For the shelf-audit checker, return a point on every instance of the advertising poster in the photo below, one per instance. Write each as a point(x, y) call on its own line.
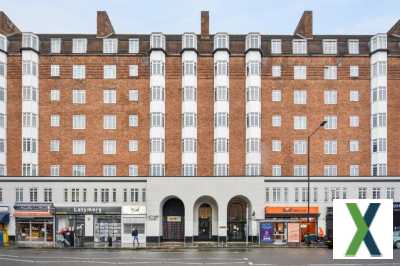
point(266, 233)
point(293, 233)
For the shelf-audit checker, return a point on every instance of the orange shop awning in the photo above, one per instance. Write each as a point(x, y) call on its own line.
point(300, 210)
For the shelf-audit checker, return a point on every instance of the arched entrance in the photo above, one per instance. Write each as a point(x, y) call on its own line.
point(239, 210)
point(173, 220)
point(205, 222)
point(205, 219)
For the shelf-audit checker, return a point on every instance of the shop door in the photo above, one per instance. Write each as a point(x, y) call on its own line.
point(205, 213)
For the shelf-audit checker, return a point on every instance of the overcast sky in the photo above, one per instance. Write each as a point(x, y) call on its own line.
point(177, 16)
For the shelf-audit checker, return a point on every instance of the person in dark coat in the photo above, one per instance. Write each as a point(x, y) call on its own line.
point(135, 234)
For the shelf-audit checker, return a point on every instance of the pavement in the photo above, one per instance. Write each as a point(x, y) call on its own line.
point(206, 256)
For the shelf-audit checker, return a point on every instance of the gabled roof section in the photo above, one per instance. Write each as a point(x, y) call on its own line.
point(395, 30)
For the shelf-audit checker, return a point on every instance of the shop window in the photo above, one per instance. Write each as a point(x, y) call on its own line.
point(34, 229)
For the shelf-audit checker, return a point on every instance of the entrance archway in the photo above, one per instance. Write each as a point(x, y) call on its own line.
point(239, 211)
point(205, 222)
point(173, 220)
point(205, 219)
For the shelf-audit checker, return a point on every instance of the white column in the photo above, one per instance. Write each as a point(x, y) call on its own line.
point(378, 81)
point(157, 105)
point(189, 98)
point(253, 101)
point(30, 81)
point(221, 79)
point(3, 103)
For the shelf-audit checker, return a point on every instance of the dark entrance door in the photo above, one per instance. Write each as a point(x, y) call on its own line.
point(237, 220)
point(173, 220)
point(205, 218)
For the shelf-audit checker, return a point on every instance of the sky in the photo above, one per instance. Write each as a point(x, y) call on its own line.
point(178, 16)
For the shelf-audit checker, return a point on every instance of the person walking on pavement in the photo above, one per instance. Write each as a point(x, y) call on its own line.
point(135, 234)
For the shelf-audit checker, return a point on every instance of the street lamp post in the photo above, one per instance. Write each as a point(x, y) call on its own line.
point(308, 175)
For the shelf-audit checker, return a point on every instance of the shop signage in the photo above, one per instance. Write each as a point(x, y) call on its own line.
point(293, 232)
point(134, 210)
point(153, 217)
point(176, 219)
point(88, 210)
point(290, 210)
point(4, 209)
point(33, 207)
point(266, 233)
point(396, 206)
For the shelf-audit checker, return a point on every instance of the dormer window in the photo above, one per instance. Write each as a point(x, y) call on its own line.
point(157, 41)
point(329, 46)
point(299, 46)
point(79, 46)
point(110, 46)
point(55, 45)
point(276, 46)
point(221, 41)
point(3, 43)
point(30, 40)
point(377, 42)
point(253, 41)
point(353, 46)
point(189, 41)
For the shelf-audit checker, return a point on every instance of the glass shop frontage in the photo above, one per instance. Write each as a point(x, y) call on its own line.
point(34, 224)
point(287, 225)
point(87, 226)
point(133, 217)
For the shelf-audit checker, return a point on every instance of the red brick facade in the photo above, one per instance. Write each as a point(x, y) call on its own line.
point(94, 109)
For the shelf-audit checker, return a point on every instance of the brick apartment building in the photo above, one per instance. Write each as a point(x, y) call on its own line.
point(198, 104)
point(224, 110)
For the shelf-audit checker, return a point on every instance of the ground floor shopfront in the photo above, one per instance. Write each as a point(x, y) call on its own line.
point(263, 210)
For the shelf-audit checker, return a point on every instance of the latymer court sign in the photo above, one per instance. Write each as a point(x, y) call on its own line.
point(362, 229)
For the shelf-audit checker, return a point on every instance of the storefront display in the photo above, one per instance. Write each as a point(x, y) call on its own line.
point(290, 224)
point(89, 224)
point(34, 224)
point(133, 217)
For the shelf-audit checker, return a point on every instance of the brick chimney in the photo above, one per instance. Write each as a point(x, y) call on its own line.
point(305, 27)
point(205, 25)
point(395, 30)
point(104, 26)
point(7, 27)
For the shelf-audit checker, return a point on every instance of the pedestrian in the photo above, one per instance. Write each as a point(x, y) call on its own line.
point(135, 234)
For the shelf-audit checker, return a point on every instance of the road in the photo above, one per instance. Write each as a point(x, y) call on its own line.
point(260, 256)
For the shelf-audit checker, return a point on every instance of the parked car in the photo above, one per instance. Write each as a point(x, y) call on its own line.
point(396, 239)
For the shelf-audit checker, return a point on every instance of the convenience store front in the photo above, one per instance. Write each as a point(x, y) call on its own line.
point(287, 225)
point(91, 225)
point(34, 224)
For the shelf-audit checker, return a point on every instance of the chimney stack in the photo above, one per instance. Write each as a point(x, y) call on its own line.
point(7, 27)
point(205, 24)
point(104, 26)
point(305, 27)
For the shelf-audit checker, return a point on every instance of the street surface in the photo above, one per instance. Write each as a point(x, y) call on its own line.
point(257, 256)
